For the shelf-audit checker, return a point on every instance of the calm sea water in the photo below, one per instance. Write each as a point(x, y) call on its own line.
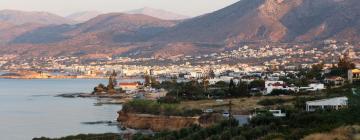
point(29, 109)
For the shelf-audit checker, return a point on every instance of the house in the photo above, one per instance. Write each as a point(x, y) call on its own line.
point(313, 87)
point(275, 113)
point(198, 74)
point(334, 81)
point(332, 103)
point(225, 79)
point(129, 86)
point(271, 85)
point(316, 86)
point(278, 113)
point(354, 75)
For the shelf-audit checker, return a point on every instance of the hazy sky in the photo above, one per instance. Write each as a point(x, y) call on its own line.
point(66, 7)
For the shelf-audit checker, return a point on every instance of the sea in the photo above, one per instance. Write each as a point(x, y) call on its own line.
point(30, 108)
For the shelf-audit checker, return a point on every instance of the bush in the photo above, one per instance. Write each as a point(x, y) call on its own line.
point(107, 136)
point(269, 102)
point(168, 100)
point(277, 92)
point(156, 108)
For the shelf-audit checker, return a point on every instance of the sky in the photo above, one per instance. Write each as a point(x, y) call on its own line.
point(67, 7)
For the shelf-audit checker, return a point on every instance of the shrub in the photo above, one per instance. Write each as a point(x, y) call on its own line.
point(269, 102)
point(276, 92)
point(168, 100)
point(156, 108)
point(107, 136)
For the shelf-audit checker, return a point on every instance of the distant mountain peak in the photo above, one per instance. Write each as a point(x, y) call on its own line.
point(24, 17)
point(83, 16)
point(158, 13)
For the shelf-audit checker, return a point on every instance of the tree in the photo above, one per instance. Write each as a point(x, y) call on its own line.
point(232, 87)
point(111, 84)
point(154, 83)
point(206, 84)
point(260, 84)
point(242, 89)
point(232, 84)
point(212, 74)
point(345, 63)
point(100, 88)
point(147, 80)
point(315, 72)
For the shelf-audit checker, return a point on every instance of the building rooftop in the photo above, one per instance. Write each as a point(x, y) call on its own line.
point(331, 102)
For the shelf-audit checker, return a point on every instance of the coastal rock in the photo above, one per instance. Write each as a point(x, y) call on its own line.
point(155, 122)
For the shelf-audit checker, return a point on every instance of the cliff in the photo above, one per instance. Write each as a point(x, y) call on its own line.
point(160, 123)
point(154, 122)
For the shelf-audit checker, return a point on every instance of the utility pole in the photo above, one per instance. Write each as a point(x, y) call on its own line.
point(230, 116)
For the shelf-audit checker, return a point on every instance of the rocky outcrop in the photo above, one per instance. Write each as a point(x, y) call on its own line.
point(154, 122)
point(160, 123)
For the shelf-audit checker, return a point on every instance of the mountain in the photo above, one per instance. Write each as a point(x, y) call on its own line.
point(112, 27)
point(21, 17)
point(104, 35)
point(247, 21)
point(271, 20)
point(162, 14)
point(83, 16)
point(9, 32)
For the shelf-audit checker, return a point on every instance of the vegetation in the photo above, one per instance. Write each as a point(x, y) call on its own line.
point(151, 82)
point(156, 108)
point(269, 102)
point(296, 125)
point(219, 131)
point(342, 68)
point(195, 90)
point(107, 136)
point(342, 133)
point(110, 88)
point(281, 92)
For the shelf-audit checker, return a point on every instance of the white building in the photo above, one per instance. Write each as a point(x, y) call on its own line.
point(316, 87)
point(332, 103)
point(226, 79)
point(278, 113)
point(198, 74)
point(271, 85)
point(313, 87)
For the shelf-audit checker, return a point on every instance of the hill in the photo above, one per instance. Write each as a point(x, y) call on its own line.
point(247, 21)
point(83, 16)
point(103, 36)
point(21, 17)
point(113, 27)
point(273, 21)
point(162, 14)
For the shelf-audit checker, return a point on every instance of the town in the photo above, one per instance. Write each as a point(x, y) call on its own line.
point(245, 59)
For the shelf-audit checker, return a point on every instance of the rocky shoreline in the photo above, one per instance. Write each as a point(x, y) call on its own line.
point(106, 99)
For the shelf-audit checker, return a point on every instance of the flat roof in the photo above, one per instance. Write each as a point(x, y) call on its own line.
point(331, 101)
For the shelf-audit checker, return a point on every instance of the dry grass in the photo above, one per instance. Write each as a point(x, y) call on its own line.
point(342, 133)
point(240, 105)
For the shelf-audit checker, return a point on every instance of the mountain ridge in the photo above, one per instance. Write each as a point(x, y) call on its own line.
point(255, 21)
point(23, 17)
point(83, 16)
point(161, 14)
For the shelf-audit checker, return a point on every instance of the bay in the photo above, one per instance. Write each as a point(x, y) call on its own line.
point(29, 108)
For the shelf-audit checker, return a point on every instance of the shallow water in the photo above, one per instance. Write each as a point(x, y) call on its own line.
point(29, 109)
